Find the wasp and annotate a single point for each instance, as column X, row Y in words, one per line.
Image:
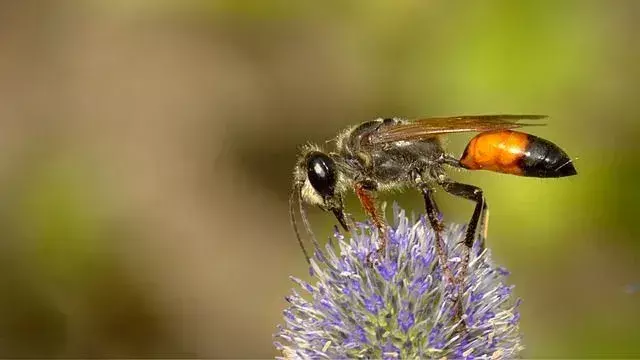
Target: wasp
column 394, row 153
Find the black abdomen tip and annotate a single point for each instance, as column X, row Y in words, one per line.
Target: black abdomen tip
column 545, row 159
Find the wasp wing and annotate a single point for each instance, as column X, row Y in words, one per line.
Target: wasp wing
column 429, row 127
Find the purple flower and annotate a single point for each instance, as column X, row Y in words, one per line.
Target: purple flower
column 402, row 307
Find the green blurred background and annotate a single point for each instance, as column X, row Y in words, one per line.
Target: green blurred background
column 146, row 151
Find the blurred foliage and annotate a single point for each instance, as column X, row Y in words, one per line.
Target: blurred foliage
column 140, row 137
column 63, row 287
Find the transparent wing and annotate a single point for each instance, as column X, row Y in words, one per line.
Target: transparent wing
column 429, row 127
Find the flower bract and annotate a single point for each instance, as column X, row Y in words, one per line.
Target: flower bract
column 401, row 307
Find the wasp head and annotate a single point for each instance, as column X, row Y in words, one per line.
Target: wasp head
column 317, row 179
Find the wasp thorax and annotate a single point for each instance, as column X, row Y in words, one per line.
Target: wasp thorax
column 321, row 171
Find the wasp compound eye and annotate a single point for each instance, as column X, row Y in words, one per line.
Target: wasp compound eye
column 321, row 171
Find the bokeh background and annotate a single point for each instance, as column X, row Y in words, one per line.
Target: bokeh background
column 146, row 149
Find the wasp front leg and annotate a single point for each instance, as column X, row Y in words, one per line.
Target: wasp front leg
column 365, row 191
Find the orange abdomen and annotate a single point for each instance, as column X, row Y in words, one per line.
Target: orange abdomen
column 516, row 153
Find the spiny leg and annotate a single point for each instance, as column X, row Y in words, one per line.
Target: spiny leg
column 483, row 227
column 484, row 217
column 473, row 193
column 365, row 191
column 433, row 214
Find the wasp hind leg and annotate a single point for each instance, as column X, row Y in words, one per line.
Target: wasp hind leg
column 433, row 215
column 483, row 227
column 479, row 217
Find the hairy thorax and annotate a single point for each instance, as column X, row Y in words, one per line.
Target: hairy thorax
column 389, row 165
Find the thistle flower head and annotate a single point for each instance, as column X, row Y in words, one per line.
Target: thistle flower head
column 403, row 306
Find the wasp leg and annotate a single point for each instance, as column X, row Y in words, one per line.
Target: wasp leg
column 434, row 218
column 473, row 193
column 484, row 227
column 467, row 192
column 433, row 214
column 365, row 190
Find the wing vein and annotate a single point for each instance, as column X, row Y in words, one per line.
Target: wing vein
column 434, row 126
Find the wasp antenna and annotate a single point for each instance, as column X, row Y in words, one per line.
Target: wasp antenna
column 295, row 193
column 305, row 221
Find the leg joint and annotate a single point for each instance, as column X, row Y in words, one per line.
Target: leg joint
column 477, row 192
column 464, row 190
column 367, row 184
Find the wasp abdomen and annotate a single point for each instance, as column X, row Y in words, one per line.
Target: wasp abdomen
column 516, row 153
